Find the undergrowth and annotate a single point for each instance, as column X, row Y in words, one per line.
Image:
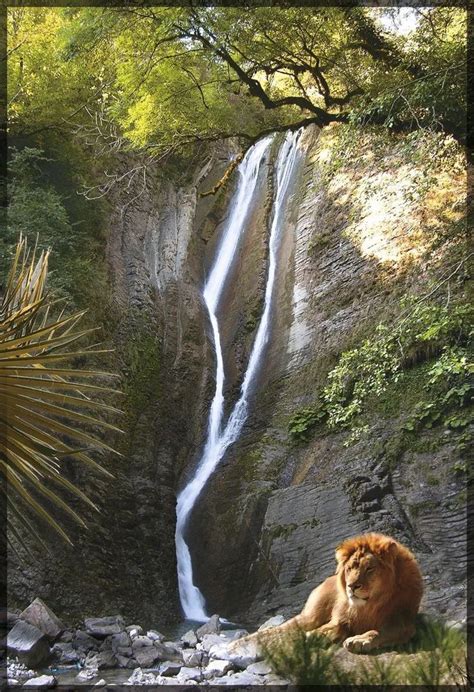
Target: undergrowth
column 431, row 333
column 436, row 656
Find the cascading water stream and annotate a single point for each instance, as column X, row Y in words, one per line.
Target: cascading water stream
column 219, row 438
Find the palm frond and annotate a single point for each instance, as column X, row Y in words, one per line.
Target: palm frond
column 45, row 410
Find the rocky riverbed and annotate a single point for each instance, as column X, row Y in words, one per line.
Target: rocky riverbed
column 108, row 652
column 43, row 653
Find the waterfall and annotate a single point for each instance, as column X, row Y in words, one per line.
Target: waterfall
column 220, row 437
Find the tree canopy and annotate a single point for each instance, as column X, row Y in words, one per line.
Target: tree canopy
column 162, row 78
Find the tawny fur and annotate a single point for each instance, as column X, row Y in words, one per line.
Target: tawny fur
column 380, row 610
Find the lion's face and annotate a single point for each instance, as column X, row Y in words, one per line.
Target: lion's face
column 364, row 576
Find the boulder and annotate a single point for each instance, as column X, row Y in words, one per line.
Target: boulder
column 260, row 668
column 241, row 679
column 210, row 640
column 193, row 658
column 187, row 674
column 98, row 660
column 167, row 652
column 123, row 661
column 217, row 668
column 41, row 682
column 102, row 627
column 28, row 643
column 272, row 622
column 86, row 674
column 177, row 646
column 189, row 638
column 170, row 668
column 155, row 636
column 100, row 683
column 106, row 659
column 146, row 656
column 232, row 635
column 140, row 641
column 241, row 655
column 212, row 626
column 91, row 662
column 39, row 615
column 134, row 630
column 67, row 636
column 66, row 653
column 84, row 642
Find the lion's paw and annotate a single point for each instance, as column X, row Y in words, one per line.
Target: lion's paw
column 359, row 644
column 329, row 631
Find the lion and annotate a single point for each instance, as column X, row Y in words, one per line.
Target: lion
column 370, row 602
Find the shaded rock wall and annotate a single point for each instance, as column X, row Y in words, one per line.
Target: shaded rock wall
column 157, row 253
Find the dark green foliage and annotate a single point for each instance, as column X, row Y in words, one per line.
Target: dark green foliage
column 436, row 655
column 35, row 209
column 43, row 200
column 304, row 421
column 433, row 333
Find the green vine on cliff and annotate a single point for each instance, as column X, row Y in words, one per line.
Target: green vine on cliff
column 429, row 332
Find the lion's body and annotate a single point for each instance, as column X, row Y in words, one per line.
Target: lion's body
column 370, row 602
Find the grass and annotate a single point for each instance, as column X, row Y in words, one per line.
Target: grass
column 435, row 656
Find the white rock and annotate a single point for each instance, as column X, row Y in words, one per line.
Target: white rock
column 189, row 638
column 194, row 658
column 259, row 668
column 210, row 640
column 272, row 622
column 100, row 683
column 28, row 643
column 155, row 636
column 138, row 677
column 39, row 615
column 86, row 674
column 217, row 668
column 186, row 674
column 212, row 626
column 242, row 678
column 140, row 641
column 15, row 669
column 43, row 681
column 242, row 655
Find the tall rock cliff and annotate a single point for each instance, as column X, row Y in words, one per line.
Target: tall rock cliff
column 358, row 236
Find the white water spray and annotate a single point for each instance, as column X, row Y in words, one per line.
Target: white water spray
column 218, row 439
